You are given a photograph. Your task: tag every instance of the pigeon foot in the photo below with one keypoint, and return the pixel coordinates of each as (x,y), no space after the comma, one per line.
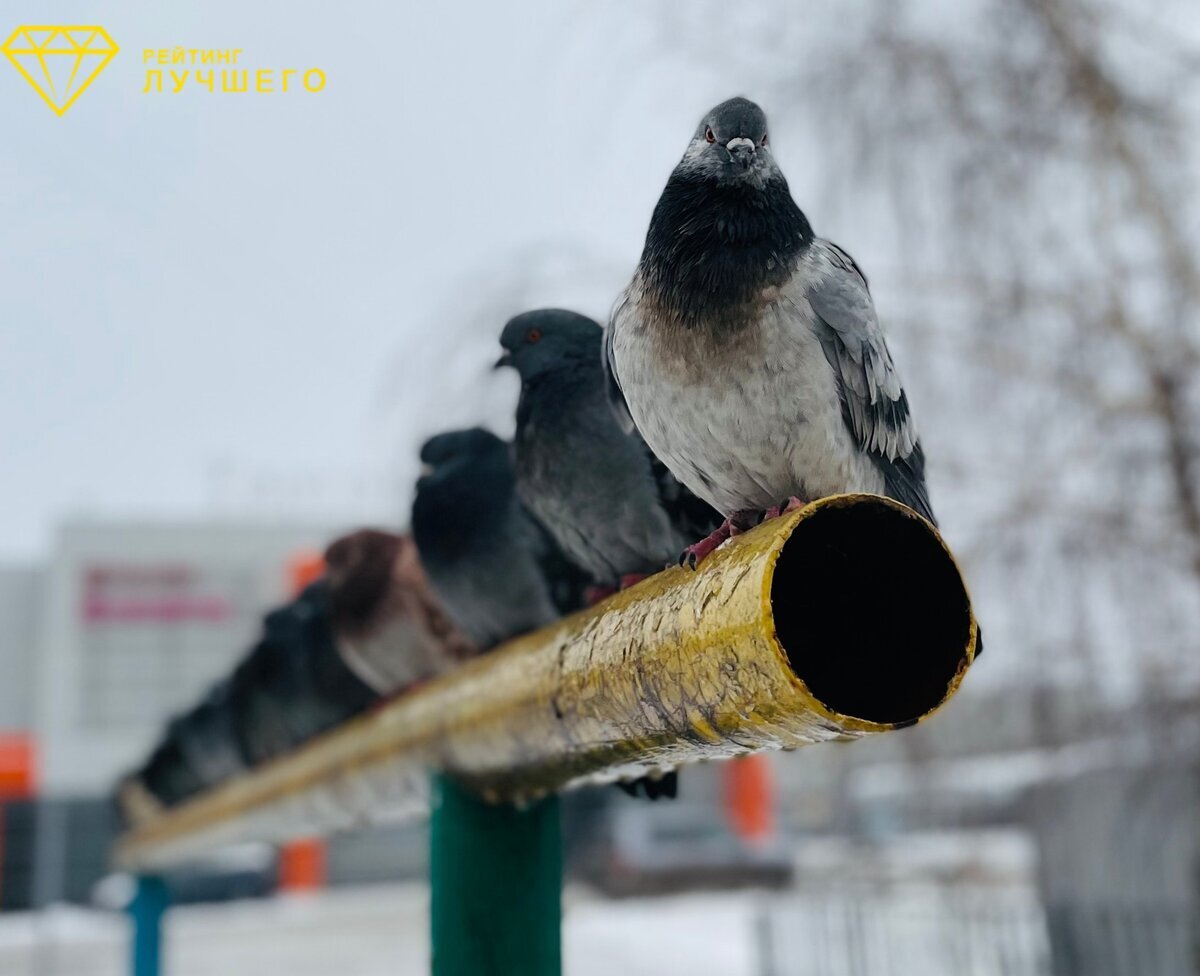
(630,579)
(789,505)
(697,552)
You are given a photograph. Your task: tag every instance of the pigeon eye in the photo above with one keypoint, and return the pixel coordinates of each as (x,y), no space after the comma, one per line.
(764,140)
(708,134)
(533,335)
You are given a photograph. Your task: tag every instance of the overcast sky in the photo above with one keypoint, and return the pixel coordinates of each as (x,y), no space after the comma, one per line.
(240,302)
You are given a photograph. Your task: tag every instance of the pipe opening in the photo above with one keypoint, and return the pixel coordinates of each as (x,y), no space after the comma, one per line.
(871,611)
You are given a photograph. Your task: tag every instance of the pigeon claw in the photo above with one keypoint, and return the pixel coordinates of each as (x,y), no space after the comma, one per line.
(696,553)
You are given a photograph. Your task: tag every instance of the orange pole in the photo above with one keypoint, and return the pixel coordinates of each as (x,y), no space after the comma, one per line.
(750,798)
(302,865)
(18,766)
(18,780)
(304,568)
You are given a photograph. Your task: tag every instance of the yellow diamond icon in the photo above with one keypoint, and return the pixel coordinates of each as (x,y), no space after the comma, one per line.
(60,62)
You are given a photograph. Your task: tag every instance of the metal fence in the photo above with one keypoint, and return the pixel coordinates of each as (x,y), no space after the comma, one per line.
(1118,939)
(972,931)
(906,932)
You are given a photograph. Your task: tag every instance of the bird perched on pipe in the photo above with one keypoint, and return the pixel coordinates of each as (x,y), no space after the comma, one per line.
(294,684)
(747,351)
(389,627)
(494,569)
(609,503)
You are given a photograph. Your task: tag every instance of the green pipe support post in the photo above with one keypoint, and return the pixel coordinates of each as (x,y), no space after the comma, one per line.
(496,885)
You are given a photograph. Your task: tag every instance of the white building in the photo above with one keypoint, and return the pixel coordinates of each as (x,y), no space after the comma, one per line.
(21,589)
(136,620)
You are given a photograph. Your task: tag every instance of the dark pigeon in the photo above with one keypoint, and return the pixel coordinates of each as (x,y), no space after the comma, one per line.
(294,685)
(494,569)
(290,687)
(610,504)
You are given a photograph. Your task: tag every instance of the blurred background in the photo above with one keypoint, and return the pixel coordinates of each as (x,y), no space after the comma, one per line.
(226,322)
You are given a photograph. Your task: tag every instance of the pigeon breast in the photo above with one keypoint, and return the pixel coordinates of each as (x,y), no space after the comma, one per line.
(743,419)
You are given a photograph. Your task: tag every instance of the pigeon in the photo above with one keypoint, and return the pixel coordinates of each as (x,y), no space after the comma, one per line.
(494,569)
(294,684)
(609,503)
(747,351)
(291,686)
(389,627)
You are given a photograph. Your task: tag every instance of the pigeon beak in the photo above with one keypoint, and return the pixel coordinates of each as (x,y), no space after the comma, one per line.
(741,150)
(504,360)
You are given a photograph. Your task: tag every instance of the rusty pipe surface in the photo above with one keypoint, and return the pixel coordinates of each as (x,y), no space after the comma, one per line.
(845,618)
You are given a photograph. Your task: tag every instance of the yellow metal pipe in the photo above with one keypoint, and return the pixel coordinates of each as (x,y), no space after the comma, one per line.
(846,618)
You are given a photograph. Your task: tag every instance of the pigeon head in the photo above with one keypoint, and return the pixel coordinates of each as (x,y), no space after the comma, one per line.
(730,145)
(464,500)
(536,343)
(458,449)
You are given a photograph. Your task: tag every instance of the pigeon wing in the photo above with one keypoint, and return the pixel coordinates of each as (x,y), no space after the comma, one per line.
(612,383)
(874,405)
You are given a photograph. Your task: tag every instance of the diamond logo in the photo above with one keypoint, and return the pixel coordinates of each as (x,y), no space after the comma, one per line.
(60,62)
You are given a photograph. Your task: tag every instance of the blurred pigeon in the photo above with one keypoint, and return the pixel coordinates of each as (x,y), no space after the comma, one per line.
(207,737)
(492,566)
(294,684)
(747,351)
(368,628)
(609,503)
(166,778)
(389,627)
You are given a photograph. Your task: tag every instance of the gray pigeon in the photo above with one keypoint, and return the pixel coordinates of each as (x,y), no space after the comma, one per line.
(493,567)
(747,351)
(609,503)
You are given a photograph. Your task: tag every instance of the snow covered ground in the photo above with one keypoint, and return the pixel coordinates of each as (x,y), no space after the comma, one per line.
(373,931)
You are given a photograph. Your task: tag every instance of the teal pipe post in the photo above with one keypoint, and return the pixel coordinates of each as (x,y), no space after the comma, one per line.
(496,885)
(146,912)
